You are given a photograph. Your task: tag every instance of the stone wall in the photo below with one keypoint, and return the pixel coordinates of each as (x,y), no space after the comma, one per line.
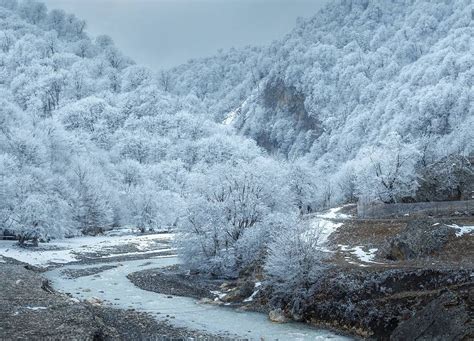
(441,208)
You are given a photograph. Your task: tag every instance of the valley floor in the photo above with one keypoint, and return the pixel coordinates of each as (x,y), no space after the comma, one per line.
(79,289)
(32,308)
(386,279)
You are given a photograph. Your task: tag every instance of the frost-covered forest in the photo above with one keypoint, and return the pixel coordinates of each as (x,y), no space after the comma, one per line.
(366,100)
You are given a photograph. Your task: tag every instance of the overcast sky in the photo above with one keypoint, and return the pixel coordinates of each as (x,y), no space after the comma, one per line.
(165,33)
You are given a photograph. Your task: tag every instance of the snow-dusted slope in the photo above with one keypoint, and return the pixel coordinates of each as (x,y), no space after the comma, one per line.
(348,77)
(357,86)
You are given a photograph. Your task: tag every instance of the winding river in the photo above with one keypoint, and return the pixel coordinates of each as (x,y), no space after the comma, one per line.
(112,287)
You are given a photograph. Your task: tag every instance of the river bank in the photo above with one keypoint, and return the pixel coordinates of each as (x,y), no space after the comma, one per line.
(383,304)
(92,273)
(32,310)
(112,288)
(386,280)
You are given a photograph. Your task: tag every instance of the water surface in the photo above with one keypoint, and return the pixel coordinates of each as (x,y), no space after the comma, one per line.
(114,288)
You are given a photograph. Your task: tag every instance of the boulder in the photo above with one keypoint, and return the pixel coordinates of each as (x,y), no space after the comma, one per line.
(240,293)
(277,316)
(94,301)
(419,239)
(206,300)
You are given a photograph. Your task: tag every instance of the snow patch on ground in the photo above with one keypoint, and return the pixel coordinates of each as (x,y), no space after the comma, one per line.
(138,253)
(361,254)
(324,225)
(36,257)
(355,263)
(220,295)
(325,228)
(67,250)
(230,118)
(36,308)
(462,230)
(251,297)
(333,213)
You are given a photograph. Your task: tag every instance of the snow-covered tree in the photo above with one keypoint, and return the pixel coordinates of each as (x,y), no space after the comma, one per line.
(226,204)
(295,261)
(91,202)
(387,172)
(152,209)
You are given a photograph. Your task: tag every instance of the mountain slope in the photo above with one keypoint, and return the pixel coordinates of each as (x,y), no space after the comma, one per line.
(361,69)
(357,79)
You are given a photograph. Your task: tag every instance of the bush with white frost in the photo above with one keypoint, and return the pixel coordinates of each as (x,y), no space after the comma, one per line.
(295,259)
(228,204)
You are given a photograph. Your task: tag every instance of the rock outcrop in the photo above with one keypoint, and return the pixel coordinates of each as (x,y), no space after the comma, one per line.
(281,107)
(376,303)
(419,239)
(447,317)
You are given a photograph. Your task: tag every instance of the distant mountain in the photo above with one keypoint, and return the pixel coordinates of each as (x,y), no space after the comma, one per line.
(347,77)
(350,86)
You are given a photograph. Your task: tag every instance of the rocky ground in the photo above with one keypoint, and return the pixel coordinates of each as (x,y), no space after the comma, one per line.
(387,279)
(380,303)
(176,281)
(30,309)
(76,273)
(396,279)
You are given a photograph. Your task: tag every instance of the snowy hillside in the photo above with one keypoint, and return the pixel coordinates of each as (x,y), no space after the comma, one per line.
(358,78)
(348,76)
(365,100)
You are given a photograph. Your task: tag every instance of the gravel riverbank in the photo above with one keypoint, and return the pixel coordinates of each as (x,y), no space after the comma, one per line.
(174,281)
(31,310)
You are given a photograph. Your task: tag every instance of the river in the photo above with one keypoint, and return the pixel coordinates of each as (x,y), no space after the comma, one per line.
(113,287)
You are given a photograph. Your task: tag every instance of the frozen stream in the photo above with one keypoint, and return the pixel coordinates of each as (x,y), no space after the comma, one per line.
(112,284)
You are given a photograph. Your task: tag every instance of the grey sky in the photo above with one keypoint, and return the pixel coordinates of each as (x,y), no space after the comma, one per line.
(164,33)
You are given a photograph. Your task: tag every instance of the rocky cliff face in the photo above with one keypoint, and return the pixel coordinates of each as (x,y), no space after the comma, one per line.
(287,128)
